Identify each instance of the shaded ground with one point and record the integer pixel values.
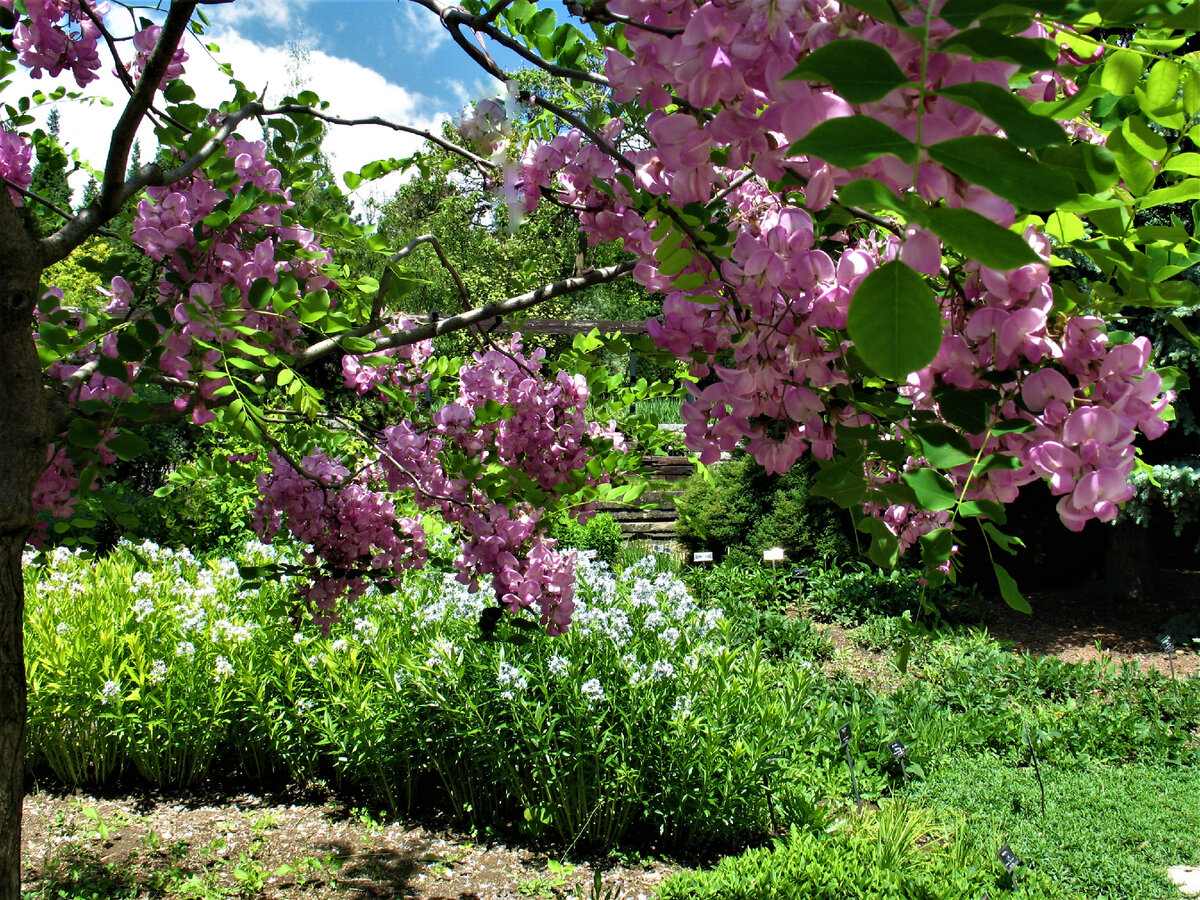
(1083, 623)
(287, 846)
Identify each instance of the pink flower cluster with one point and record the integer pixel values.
(482, 126)
(16, 158)
(143, 43)
(544, 443)
(56, 35)
(218, 266)
(402, 367)
(56, 492)
(764, 326)
(352, 531)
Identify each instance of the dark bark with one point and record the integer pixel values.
(1130, 566)
(24, 434)
(12, 716)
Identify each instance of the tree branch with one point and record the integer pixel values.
(473, 318)
(454, 16)
(293, 109)
(412, 245)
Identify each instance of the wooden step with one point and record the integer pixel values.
(643, 529)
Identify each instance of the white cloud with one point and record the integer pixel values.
(419, 31)
(352, 90)
(273, 13)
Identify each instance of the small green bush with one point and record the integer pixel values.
(760, 605)
(852, 595)
(896, 853)
(601, 533)
(743, 511)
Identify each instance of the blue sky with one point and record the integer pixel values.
(389, 58)
(400, 40)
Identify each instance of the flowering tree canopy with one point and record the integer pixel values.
(895, 235)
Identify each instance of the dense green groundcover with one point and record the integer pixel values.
(694, 719)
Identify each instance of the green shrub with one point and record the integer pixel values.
(1107, 832)
(743, 511)
(601, 533)
(854, 594)
(898, 852)
(760, 606)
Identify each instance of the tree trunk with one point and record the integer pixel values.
(1130, 566)
(25, 430)
(12, 715)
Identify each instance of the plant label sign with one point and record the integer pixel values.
(1168, 643)
(661, 549)
(1008, 859)
(798, 574)
(702, 556)
(844, 733)
(899, 751)
(775, 554)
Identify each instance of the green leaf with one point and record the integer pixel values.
(1143, 139)
(936, 546)
(943, 446)
(1092, 167)
(1008, 111)
(979, 238)
(1188, 189)
(883, 10)
(1121, 72)
(969, 410)
(933, 489)
(961, 13)
(1185, 163)
(83, 433)
(843, 482)
(127, 445)
(858, 70)
(1001, 167)
(871, 194)
(179, 92)
(1005, 542)
(987, 43)
(895, 321)
(1009, 590)
(851, 141)
(885, 547)
(1162, 85)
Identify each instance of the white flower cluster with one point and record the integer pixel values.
(142, 607)
(225, 631)
(158, 671)
(110, 691)
(511, 679)
(593, 692)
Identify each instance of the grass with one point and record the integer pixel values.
(1108, 831)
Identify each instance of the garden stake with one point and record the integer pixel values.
(1010, 862)
(770, 804)
(1168, 645)
(899, 751)
(844, 734)
(1037, 770)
